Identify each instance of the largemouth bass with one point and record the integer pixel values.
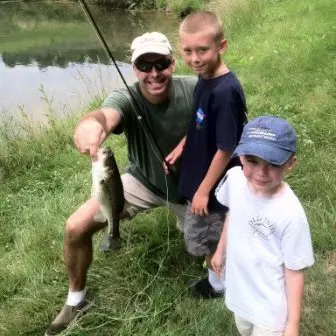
(107, 188)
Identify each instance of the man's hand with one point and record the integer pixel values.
(199, 205)
(89, 134)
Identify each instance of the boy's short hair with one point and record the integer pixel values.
(270, 138)
(203, 21)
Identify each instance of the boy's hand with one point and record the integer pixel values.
(292, 329)
(217, 263)
(170, 159)
(199, 205)
(174, 155)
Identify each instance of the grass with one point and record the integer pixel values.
(283, 53)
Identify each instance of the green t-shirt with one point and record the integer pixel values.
(168, 123)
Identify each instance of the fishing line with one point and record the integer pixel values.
(136, 109)
(156, 149)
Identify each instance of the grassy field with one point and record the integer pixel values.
(284, 54)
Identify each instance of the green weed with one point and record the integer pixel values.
(283, 53)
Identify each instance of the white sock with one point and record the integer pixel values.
(74, 298)
(216, 282)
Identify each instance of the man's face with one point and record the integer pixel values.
(154, 73)
(201, 52)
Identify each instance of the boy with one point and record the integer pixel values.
(266, 236)
(218, 117)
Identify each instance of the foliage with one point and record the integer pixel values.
(180, 6)
(283, 53)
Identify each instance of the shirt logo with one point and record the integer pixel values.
(261, 226)
(200, 118)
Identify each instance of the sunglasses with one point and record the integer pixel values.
(147, 66)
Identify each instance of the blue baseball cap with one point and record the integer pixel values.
(270, 138)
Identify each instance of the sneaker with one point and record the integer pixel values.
(66, 316)
(203, 289)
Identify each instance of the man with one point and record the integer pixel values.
(165, 106)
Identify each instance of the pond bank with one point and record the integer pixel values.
(286, 63)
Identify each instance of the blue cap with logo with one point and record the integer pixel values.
(270, 138)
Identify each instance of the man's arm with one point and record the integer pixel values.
(294, 286)
(93, 129)
(215, 171)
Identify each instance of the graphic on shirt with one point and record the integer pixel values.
(261, 226)
(200, 118)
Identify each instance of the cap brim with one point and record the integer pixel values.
(150, 50)
(275, 155)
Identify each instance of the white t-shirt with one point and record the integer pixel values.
(264, 235)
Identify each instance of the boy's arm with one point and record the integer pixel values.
(217, 260)
(175, 154)
(294, 286)
(200, 200)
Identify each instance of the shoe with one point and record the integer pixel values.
(203, 289)
(66, 316)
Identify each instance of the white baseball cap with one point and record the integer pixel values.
(155, 43)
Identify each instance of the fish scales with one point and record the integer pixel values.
(107, 188)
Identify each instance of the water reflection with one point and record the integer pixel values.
(51, 46)
(63, 90)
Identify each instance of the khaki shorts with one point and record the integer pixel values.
(202, 233)
(139, 198)
(247, 328)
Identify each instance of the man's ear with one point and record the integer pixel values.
(173, 65)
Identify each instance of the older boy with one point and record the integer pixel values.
(218, 116)
(266, 236)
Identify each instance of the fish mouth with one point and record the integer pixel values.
(106, 151)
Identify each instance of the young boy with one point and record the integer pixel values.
(266, 236)
(219, 111)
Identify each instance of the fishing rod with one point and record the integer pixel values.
(136, 109)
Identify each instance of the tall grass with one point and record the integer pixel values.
(283, 53)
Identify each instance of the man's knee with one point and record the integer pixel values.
(74, 230)
(129, 211)
(82, 224)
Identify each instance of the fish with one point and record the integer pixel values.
(108, 190)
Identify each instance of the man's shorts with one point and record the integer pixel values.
(139, 198)
(202, 233)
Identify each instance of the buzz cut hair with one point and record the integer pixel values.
(203, 21)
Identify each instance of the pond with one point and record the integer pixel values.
(52, 62)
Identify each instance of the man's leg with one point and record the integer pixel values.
(80, 227)
(79, 230)
(179, 211)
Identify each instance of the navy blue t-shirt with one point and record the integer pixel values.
(219, 114)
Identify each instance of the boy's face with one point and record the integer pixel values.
(263, 177)
(155, 81)
(201, 52)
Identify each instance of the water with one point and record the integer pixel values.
(52, 62)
